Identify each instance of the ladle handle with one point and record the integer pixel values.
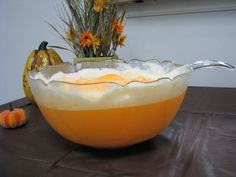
(211, 64)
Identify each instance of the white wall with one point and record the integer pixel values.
(23, 27)
(183, 38)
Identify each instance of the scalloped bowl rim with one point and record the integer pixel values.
(189, 70)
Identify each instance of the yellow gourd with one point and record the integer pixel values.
(36, 60)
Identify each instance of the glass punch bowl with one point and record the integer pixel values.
(107, 114)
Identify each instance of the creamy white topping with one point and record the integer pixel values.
(106, 95)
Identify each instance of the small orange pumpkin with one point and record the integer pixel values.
(12, 118)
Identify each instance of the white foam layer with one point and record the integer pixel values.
(107, 95)
(153, 73)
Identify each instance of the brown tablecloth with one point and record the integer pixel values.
(200, 142)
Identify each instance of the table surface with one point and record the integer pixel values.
(200, 142)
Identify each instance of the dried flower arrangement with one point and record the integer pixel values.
(93, 27)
